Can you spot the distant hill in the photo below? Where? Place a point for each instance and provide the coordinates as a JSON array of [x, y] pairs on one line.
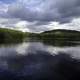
[[60, 34], [9, 35], [61, 31]]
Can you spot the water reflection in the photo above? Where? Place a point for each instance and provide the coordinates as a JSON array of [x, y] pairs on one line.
[[39, 61], [33, 47]]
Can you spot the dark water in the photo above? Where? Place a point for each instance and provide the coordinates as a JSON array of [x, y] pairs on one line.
[[39, 61]]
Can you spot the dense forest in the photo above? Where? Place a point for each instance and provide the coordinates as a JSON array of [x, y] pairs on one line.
[[60, 34], [8, 35]]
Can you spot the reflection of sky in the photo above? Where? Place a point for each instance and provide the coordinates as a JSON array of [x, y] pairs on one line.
[[15, 57], [32, 48], [26, 48], [7, 51], [73, 51]]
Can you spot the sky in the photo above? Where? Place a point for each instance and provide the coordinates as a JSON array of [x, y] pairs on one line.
[[40, 15]]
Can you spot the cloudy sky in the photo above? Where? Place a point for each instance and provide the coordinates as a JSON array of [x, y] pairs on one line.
[[40, 15]]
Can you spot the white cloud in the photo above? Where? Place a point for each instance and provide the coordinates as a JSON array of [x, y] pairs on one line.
[[39, 15], [3, 7], [73, 25], [22, 25]]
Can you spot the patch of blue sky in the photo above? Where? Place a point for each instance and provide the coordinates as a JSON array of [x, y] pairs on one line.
[[7, 1]]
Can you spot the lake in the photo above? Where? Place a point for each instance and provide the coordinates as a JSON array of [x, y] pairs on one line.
[[37, 60]]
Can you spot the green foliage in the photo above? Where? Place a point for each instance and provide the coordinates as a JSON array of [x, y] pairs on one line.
[[8, 35], [59, 35]]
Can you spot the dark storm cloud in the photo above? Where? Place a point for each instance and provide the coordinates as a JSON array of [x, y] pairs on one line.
[[39, 15], [46, 11]]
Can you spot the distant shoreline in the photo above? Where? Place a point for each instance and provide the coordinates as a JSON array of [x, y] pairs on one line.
[[9, 35]]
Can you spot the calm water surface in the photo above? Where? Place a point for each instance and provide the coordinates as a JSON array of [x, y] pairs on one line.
[[25, 48], [29, 58]]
